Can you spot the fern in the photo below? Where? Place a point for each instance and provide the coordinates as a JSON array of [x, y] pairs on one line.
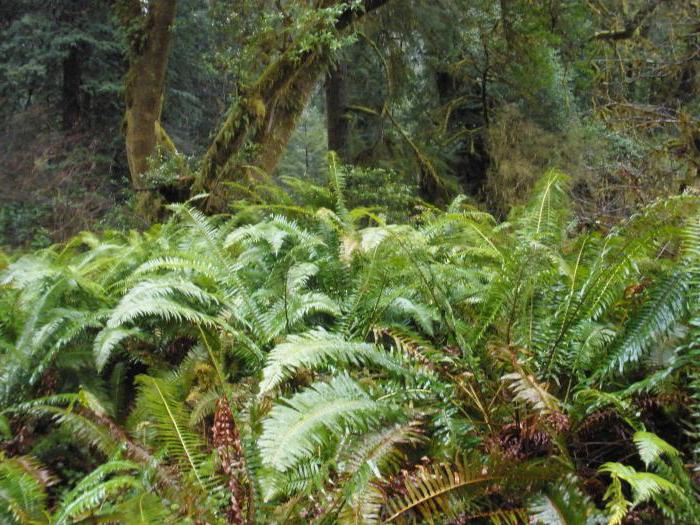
[[666, 306], [157, 403], [347, 348], [319, 348], [441, 490], [309, 419], [23, 496], [109, 481], [564, 504]]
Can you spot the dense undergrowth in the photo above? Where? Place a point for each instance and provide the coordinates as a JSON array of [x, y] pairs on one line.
[[310, 363]]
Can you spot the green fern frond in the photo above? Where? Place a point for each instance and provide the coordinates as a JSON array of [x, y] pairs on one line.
[[159, 404], [318, 348], [651, 447], [23, 497], [546, 215], [376, 456], [143, 508], [107, 340], [667, 305], [94, 490], [295, 429], [644, 485], [563, 503]]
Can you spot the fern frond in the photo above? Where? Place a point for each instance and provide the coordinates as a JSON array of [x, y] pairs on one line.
[[23, 496], [545, 216], [563, 503], [159, 297], [94, 490], [107, 340], [666, 306], [644, 485], [651, 447], [293, 430], [318, 348], [376, 456], [160, 406], [430, 491], [531, 392]]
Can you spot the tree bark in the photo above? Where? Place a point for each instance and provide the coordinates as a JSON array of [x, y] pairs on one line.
[[265, 116], [336, 106], [149, 31]]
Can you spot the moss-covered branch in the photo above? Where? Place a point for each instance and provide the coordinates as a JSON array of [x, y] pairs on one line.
[[149, 33], [260, 123]]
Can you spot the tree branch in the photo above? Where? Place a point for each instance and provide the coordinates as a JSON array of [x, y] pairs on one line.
[[266, 113], [631, 25]]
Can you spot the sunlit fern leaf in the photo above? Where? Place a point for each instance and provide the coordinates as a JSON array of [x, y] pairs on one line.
[[467, 233], [291, 311], [546, 215], [23, 497], [370, 239], [107, 340], [306, 478], [644, 486], [336, 176], [299, 275], [274, 232], [318, 348], [181, 263], [164, 297], [266, 231], [422, 315], [295, 428], [563, 503], [531, 392], [651, 447], [204, 229]]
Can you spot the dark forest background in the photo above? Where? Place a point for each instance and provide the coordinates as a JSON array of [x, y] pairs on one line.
[[439, 97]]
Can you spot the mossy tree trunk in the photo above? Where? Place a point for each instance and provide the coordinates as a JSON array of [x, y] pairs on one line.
[[148, 27], [336, 108], [257, 127], [264, 117]]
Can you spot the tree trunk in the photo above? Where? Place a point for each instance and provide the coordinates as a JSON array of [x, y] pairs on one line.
[[336, 106], [149, 44], [72, 80], [265, 116]]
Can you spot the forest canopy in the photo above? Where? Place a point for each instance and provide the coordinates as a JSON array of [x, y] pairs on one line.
[[349, 261]]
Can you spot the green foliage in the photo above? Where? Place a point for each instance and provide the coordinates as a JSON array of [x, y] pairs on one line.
[[325, 364], [565, 504]]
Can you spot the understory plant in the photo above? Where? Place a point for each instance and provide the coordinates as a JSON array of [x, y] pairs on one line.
[[307, 362]]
